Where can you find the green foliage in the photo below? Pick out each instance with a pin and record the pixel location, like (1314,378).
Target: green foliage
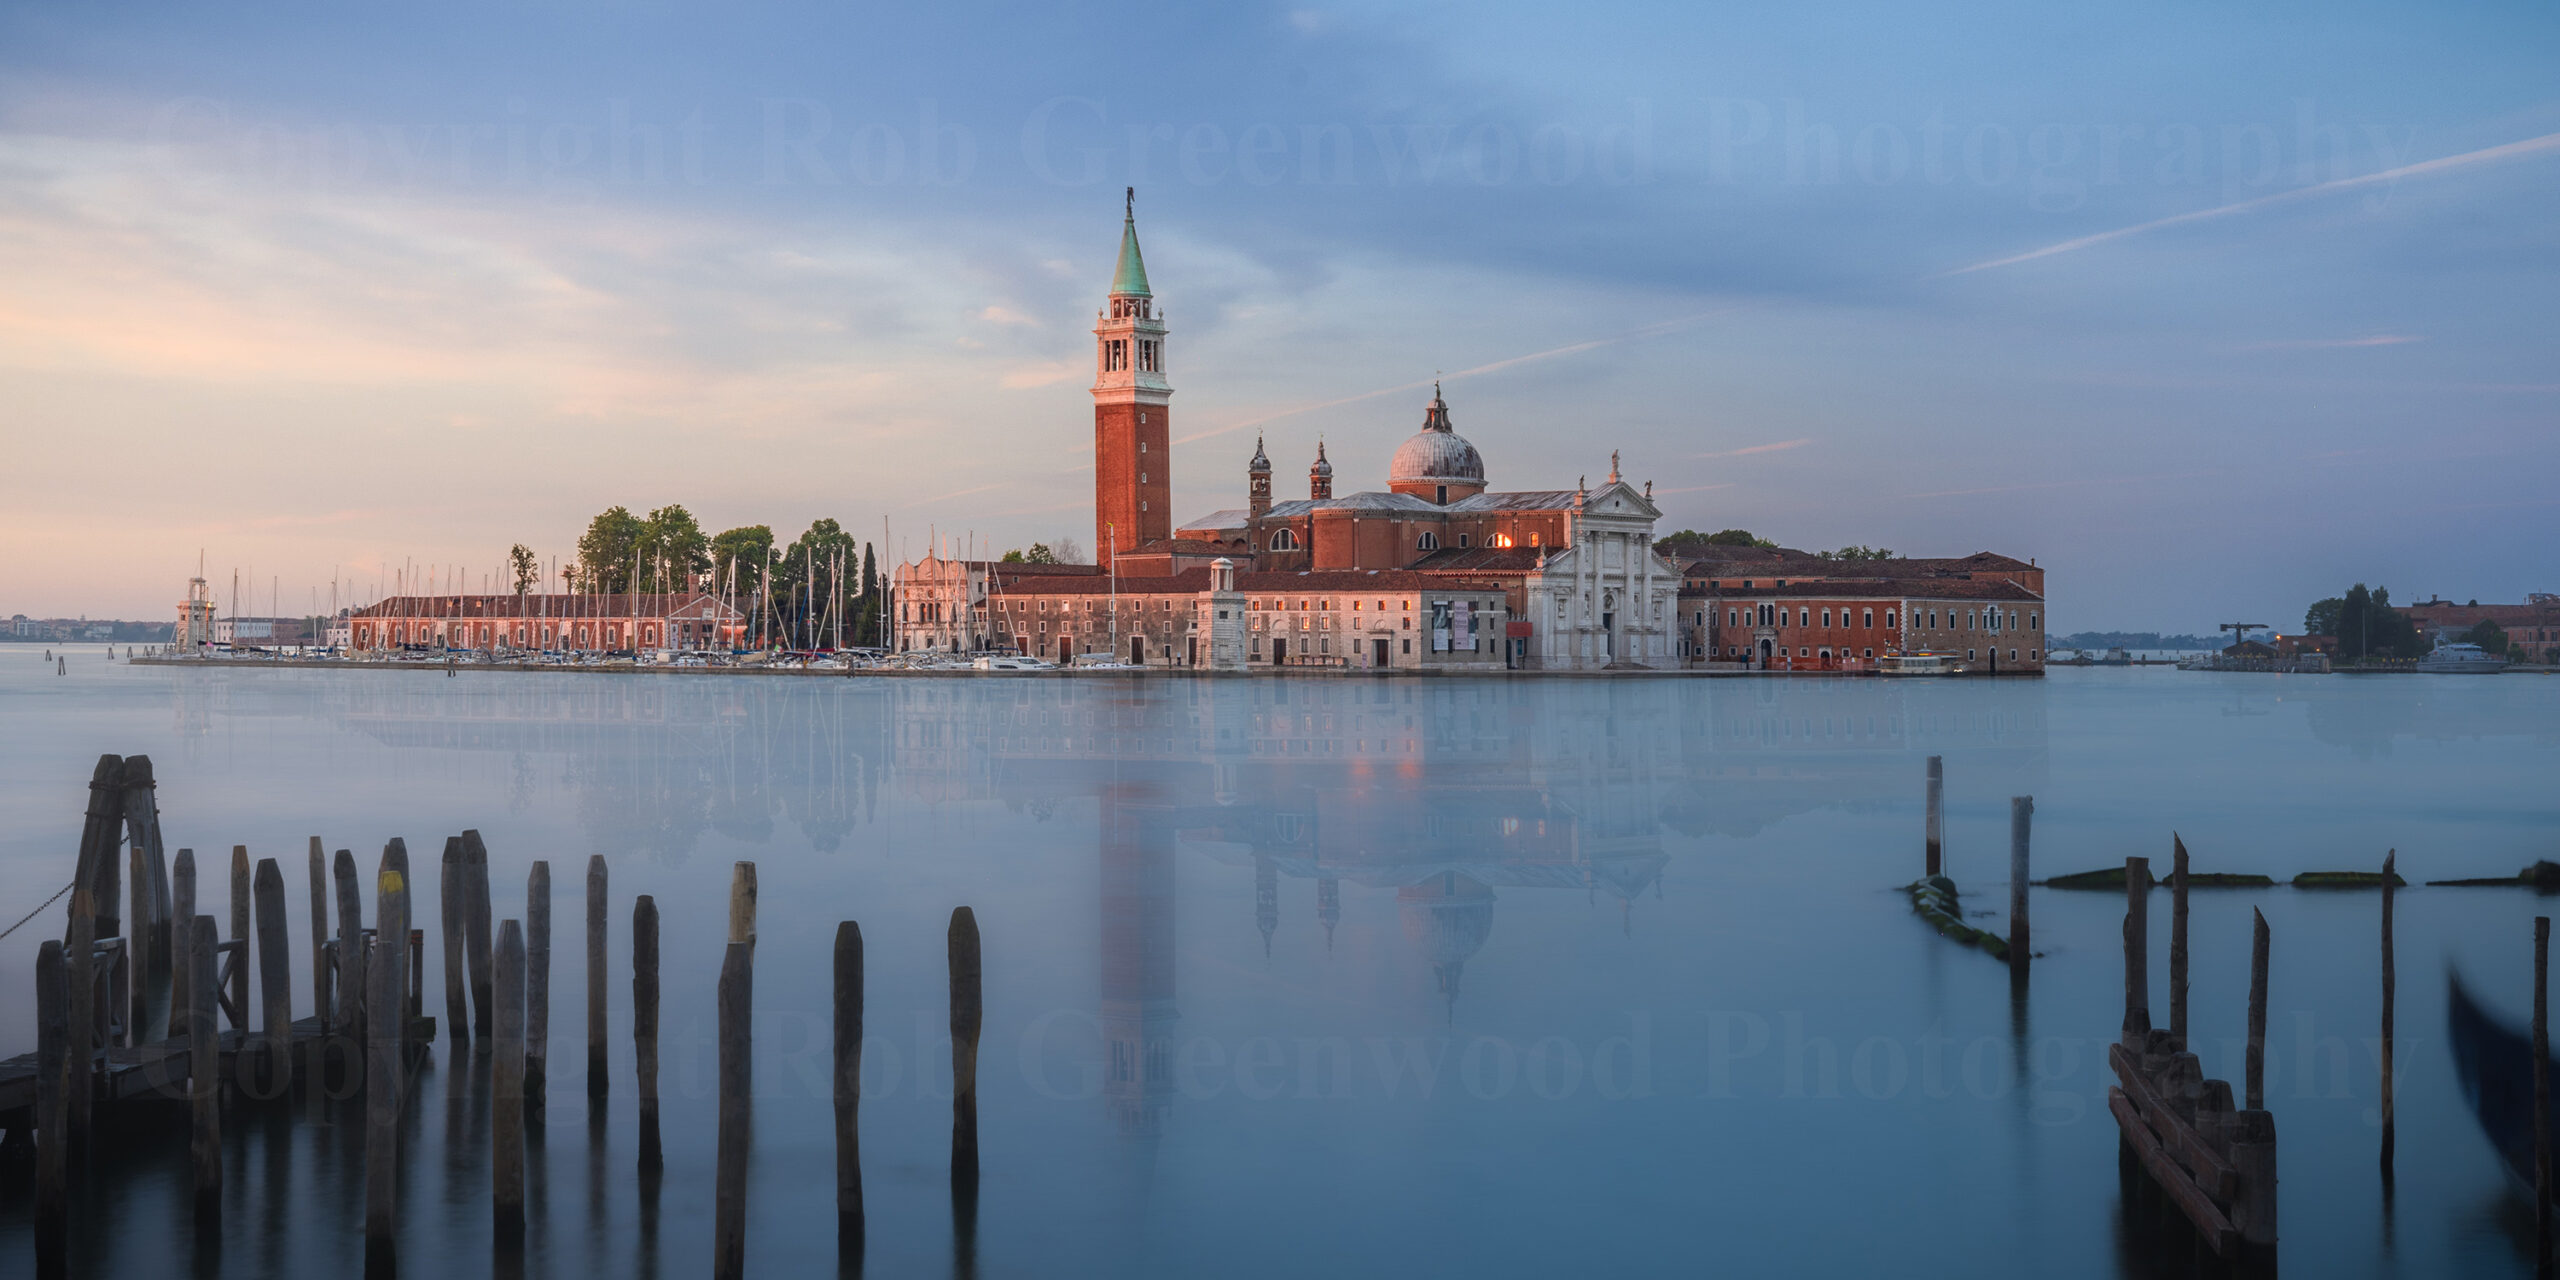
(2321,619)
(605,552)
(1038,554)
(527,571)
(1726,538)
(2369,627)
(674,552)
(1855,552)
(737,560)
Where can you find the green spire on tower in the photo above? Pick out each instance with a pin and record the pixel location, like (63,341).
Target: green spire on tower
(1131,279)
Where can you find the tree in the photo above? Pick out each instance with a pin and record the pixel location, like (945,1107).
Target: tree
(527,572)
(2491,637)
(1855,552)
(1038,554)
(815,560)
(1066,550)
(673,550)
(874,604)
(605,553)
(737,560)
(2321,619)
(1726,538)
(2369,627)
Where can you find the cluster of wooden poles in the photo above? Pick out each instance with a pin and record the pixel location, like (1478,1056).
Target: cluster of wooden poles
(368,986)
(94,1042)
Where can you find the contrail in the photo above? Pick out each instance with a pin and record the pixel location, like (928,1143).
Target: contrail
(2487,155)
(1646,331)
(1748,450)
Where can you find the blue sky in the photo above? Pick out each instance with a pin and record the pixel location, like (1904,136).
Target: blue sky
(324,290)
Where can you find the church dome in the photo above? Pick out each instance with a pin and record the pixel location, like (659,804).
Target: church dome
(1436,455)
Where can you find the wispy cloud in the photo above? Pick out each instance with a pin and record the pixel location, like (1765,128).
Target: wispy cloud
(1695,488)
(1748,450)
(1008,316)
(2325,344)
(956,493)
(1044,374)
(1655,329)
(2064,484)
(2487,155)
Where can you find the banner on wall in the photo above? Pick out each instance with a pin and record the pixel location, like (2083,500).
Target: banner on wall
(1439,626)
(1462,624)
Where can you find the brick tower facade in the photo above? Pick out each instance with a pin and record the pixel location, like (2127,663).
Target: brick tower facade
(1132,468)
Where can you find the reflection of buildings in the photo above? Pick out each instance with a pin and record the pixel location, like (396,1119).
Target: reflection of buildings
(1450,800)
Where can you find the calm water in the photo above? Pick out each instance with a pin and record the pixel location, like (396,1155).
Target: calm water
(1445,976)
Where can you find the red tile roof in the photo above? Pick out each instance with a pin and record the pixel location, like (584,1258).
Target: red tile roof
(1870,589)
(614,605)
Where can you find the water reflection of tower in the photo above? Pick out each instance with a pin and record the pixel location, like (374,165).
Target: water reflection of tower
(1137,964)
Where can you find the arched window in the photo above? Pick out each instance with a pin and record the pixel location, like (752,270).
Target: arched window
(1284,540)
(1429,541)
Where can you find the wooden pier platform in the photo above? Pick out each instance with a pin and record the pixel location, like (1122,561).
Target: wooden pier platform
(129,1073)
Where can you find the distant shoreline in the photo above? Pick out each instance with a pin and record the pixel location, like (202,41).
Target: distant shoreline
(636,669)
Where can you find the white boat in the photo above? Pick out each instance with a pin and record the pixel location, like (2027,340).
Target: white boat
(2461,659)
(1923,663)
(1000,663)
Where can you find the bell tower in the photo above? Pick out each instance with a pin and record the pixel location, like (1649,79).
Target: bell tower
(1132,471)
(1257,483)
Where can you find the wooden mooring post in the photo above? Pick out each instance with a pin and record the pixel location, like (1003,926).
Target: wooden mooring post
(848,1087)
(742,903)
(644,1021)
(968,1015)
(53,1108)
(2390,984)
(319,869)
(2137,953)
(81,976)
(2255,1061)
(2177,940)
(383,1062)
(351,984)
(2542,1095)
(2022,816)
(450,909)
(138,949)
(2215,1162)
(275,983)
(507,1086)
(1934,827)
(240,899)
(182,923)
(597,1081)
(204,1069)
(737,1068)
(475,927)
(537,981)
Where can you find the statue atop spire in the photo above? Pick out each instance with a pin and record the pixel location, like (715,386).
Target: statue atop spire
(1613,466)
(1130,281)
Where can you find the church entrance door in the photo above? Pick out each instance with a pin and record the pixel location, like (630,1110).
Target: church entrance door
(1279,651)
(1764,655)
(1378,653)
(1609,635)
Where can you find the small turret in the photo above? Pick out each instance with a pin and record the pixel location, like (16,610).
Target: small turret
(1320,476)
(1257,482)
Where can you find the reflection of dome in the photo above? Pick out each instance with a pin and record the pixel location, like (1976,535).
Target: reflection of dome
(1449,916)
(1436,454)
